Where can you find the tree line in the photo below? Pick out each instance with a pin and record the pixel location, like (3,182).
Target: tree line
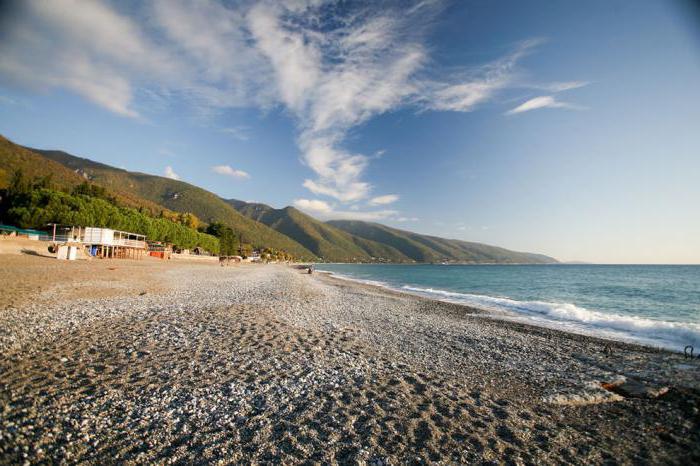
(35,203)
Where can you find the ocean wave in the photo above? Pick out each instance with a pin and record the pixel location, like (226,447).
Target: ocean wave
(568,316)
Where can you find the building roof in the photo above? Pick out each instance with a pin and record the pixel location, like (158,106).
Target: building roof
(21,231)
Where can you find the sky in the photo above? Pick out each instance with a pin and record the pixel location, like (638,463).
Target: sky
(566,128)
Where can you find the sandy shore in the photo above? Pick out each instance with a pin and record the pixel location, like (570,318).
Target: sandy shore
(128,361)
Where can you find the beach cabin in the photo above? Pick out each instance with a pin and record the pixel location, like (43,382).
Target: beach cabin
(114,244)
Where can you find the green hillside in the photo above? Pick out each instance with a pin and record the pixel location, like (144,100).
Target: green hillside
(324,240)
(180,197)
(286,229)
(33,165)
(424,248)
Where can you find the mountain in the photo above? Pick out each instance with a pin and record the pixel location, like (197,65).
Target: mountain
(326,241)
(288,229)
(140,190)
(424,248)
(356,241)
(179,196)
(33,165)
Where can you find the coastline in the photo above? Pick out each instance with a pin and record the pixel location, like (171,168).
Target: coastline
(651,331)
(264,363)
(497,315)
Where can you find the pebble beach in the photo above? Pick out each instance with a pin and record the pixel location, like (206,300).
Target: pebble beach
(153,362)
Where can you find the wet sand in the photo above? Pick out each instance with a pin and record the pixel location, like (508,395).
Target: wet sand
(149,361)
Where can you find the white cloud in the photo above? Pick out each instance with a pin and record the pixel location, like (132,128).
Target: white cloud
(547,101)
(330,68)
(325,211)
(465,93)
(366,216)
(170,173)
(230,171)
(383,200)
(313,206)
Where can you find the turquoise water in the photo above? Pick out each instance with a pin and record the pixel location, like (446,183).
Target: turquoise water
(657,305)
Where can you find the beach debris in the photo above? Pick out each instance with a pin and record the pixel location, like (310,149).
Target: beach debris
(592,393)
(583,398)
(631,388)
(635,389)
(142,293)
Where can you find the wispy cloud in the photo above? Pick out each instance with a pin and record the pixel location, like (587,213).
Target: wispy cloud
(546,101)
(550,101)
(465,92)
(230,171)
(170,173)
(330,68)
(562,86)
(383,200)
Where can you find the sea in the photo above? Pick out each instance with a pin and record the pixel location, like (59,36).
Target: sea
(654,305)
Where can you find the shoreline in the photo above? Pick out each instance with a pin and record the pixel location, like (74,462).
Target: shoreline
(262,363)
(582,328)
(500,316)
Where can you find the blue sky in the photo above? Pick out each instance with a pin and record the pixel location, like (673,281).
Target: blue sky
(567,128)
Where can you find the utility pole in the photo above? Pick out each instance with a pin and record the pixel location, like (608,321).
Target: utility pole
(53,238)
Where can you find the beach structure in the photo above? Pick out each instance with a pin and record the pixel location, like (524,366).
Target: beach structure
(9,230)
(68,251)
(108,243)
(159,250)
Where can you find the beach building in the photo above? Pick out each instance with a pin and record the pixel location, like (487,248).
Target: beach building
(160,250)
(9,230)
(108,243)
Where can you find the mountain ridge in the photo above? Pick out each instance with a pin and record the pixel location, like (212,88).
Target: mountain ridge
(287,228)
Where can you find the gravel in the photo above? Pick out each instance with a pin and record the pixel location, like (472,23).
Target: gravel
(266,364)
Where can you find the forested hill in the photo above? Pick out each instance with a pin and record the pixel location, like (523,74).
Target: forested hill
(350,241)
(178,196)
(424,248)
(326,241)
(286,229)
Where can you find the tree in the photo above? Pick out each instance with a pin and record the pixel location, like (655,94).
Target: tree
(229,243)
(29,207)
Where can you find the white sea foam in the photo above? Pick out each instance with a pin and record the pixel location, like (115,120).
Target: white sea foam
(567,316)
